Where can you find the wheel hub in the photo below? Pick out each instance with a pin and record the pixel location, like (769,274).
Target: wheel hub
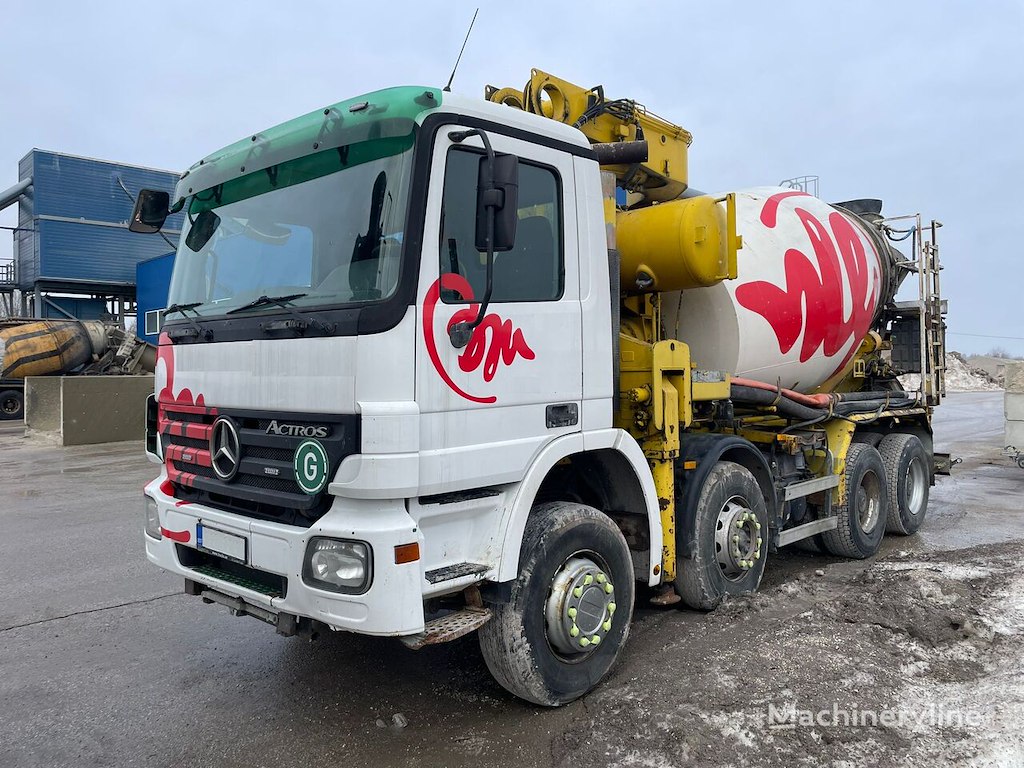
(738,541)
(580,607)
(915,484)
(868,502)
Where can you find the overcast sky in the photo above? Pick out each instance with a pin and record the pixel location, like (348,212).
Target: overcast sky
(918,103)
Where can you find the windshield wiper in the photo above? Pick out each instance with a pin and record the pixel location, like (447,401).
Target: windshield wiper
(302,320)
(196,330)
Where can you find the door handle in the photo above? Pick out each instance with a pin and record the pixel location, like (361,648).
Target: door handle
(562,415)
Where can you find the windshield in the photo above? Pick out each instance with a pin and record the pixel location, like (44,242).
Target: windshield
(322,230)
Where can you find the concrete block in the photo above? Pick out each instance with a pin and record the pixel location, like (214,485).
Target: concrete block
(104,409)
(1014,434)
(1014,377)
(43,403)
(83,410)
(1013,406)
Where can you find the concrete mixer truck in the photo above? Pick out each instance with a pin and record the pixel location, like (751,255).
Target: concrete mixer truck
(436,365)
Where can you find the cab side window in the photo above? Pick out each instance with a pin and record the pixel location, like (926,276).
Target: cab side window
(534,269)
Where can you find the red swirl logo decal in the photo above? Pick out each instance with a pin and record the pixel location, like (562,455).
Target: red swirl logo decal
(165,355)
(494,342)
(812,300)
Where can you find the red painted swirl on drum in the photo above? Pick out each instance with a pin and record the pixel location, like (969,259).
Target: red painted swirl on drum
(812,301)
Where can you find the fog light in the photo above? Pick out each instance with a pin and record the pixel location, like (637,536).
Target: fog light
(152,519)
(340,566)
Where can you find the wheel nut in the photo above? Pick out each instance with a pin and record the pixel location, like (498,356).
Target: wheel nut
(572,613)
(596,639)
(607,626)
(588,580)
(584,642)
(578,592)
(611,608)
(608,589)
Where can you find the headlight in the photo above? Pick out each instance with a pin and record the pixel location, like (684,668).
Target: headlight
(152,519)
(340,566)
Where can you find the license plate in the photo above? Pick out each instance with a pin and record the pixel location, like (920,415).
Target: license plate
(220,542)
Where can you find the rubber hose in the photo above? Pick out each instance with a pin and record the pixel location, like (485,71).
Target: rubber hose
(867,406)
(786,406)
(812,401)
(878,395)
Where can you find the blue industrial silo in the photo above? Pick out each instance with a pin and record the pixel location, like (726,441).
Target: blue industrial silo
(73,233)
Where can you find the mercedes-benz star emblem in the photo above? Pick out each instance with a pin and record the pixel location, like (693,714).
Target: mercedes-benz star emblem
(224,449)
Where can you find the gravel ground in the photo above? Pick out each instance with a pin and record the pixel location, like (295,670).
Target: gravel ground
(911,658)
(917,659)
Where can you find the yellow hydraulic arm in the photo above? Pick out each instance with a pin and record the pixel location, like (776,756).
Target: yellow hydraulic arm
(662,177)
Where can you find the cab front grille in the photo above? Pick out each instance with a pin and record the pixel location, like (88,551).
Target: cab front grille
(264,485)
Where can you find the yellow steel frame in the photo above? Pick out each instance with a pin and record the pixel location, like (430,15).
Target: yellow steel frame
(656,378)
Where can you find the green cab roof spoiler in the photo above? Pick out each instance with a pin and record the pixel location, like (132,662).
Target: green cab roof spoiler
(388,113)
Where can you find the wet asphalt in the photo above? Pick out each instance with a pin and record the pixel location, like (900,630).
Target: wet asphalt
(105,662)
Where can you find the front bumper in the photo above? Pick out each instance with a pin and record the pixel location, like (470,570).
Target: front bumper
(393,603)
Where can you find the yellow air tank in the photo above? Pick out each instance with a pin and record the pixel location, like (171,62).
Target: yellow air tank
(686,243)
(46,347)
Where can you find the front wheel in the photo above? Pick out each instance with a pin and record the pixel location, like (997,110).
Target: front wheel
(731,526)
(570,608)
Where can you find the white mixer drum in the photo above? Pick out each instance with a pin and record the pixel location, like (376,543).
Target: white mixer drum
(808,288)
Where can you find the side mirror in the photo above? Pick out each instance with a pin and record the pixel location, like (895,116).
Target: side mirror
(503,195)
(151,209)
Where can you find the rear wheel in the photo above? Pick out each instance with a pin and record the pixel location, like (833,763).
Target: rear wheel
(12,404)
(731,524)
(862,516)
(570,608)
(908,473)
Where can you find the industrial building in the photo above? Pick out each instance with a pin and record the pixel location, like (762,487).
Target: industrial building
(73,255)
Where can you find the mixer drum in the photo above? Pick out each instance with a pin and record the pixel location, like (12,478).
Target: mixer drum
(810,283)
(44,347)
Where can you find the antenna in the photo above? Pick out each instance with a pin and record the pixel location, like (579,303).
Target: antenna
(448,88)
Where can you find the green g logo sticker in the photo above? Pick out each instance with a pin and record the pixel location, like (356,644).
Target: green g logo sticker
(311,466)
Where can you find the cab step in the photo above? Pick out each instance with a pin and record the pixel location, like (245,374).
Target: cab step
(449,627)
(456,571)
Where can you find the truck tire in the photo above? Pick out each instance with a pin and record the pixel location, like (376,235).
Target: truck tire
(731,546)
(12,405)
(907,474)
(862,515)
(871,438)
(569,612)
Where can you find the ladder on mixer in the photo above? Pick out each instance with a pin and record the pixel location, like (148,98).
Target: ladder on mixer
(926,315)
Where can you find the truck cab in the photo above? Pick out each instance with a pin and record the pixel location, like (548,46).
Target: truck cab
(329,458)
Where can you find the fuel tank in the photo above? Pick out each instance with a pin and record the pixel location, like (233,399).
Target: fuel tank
(811,281)
(44,347)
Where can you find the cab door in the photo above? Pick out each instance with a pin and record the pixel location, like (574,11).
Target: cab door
(487,409)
